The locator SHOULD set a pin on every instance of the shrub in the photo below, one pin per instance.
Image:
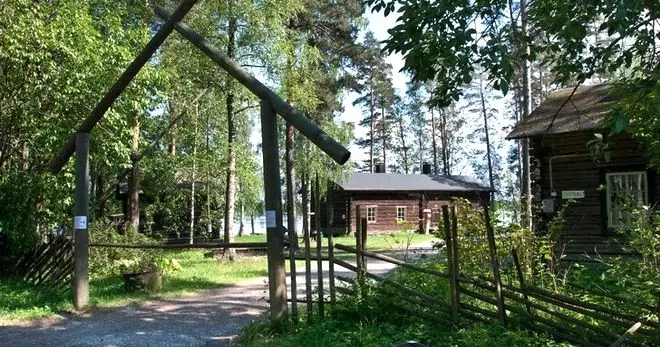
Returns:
(104, 261)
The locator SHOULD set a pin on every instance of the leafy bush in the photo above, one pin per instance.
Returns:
(639, 276)
(104, 261)
(30, 207)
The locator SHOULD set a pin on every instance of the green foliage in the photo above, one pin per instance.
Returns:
(639, 276)
(106, 261)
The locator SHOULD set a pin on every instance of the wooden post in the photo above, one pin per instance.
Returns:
(331, 246)
(364, 243)
(455, 256)
(319, 244)
(273, 202)
(294, 280)
(521, 279)
(308, 247)
(449, 245)
(358, 244)
(80, 231)
(122, 82)
(495, 262)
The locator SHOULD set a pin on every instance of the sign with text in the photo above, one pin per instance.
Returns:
(572, 194)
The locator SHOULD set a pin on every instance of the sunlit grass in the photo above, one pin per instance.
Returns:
(20, 301)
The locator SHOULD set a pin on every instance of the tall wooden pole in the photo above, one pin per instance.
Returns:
(319, 245)
(331, 246)
(80, 231)
(495, 262)
(273, 202)
(449, 245)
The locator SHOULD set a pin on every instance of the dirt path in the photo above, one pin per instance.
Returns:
(209, 318)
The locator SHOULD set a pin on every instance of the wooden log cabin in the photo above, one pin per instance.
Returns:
(571, 162)
(390, 201)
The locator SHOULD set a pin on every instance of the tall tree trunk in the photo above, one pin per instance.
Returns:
(194, 177)
(444, 138)
(100, 192)
(305, 204)
(434, 144)
(133, 217)
(252, 222)
(230, 193)
(404, 149)
(25, 156)
(241, 227)
(486, 131)
(209, 216)
(383, 136)
(527, 99)
(372, 129)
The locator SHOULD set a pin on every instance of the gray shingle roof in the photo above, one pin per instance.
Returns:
(360, 181)
(585, 110)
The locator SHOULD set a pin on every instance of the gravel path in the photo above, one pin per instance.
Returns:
(209, 318)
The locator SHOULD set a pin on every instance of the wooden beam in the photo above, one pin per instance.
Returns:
(495, 262)
(296, 118)
(121, 83)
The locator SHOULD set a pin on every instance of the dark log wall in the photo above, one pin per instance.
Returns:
(574, 168)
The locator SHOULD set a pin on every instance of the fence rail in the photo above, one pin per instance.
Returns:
(487, 299)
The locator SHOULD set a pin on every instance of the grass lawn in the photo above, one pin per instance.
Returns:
(20, 301)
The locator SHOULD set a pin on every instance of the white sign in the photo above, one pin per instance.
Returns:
(572, 194)
(80, 222)
(270, 219)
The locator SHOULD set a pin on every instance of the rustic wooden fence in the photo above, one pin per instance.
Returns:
(49, 265)
(487, 299)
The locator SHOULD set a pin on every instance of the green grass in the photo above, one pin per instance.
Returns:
(20, 301)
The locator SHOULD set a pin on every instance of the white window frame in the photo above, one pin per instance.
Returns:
(611, 223)
(375, 208)
(405, 211)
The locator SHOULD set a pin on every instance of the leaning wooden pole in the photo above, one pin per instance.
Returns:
(121, 83)
(80, 231)
(358, 245)
(449, 246)
(274, 225)
(495, 262)
(331, 248)
(296, 118)
(308, 248)
(319, 245)
(455, 257)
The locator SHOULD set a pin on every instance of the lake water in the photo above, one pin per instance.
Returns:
(260, 225)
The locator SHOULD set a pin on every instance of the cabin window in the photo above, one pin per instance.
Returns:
(400, 213)
(625, 190)
(371, 214)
